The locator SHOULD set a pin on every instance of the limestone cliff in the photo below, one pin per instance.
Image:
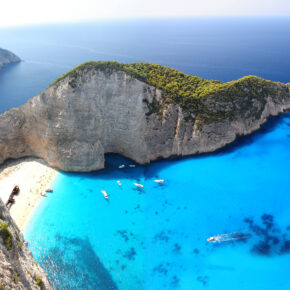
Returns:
(97, 109)
(17, 267)
(7, 57)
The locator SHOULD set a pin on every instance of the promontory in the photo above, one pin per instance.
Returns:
(7, 57)
(141, 111)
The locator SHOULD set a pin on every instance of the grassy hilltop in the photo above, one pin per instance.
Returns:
(193, 93)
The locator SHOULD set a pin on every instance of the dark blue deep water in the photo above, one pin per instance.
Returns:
(155, 238)
(222, 49)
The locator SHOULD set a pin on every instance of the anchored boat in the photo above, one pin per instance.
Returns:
(235, 236)
(106, 196)
(139, 185)
(159, 180)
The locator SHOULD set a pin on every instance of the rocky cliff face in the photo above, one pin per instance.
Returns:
(17, 267)
(7, 57)
(74, 122)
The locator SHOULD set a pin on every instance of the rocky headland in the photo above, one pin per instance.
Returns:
(7, 57)
(142, 111)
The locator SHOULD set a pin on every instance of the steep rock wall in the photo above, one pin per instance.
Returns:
(17, 267)
(74, 122)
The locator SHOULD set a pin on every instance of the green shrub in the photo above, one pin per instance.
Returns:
(39, 282)
(6, 235)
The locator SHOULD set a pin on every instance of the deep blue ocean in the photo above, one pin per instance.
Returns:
(155, 238)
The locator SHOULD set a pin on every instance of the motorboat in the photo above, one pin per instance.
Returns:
(235, 236)
(106, 196)
(159, 180)
(119, 182)
(121, 166)
(139, 185)
(132, 165)
(212, 239)
(49, 190)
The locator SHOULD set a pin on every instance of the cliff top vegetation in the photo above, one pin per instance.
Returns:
(190, 92)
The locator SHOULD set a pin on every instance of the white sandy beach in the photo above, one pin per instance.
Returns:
(33, 177)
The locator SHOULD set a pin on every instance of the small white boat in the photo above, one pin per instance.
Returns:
(122, 166)
(132, 165)
(43, 194)
(212, 239)
(159, 180)
(104, 194)
(119, 182)
(139, 185)
(228, 237)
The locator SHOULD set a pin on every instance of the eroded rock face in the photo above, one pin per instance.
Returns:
(7, 57)
(17, 267)
(72, 124)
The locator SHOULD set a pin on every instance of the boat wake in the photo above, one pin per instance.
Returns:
(235, 236)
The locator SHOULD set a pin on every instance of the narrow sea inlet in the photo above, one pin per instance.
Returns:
(156, 237)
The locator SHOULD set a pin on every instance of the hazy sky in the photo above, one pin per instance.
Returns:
(19, 12)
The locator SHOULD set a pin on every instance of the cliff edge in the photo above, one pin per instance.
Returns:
(7, 57)
(17, 267)
(142, 111)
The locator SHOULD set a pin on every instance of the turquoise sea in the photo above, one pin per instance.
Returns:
(155, 238)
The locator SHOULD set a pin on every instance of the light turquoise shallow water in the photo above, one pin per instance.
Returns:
(156, 238)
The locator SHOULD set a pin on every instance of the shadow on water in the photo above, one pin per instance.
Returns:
(112, 170)
(239, 143)
(244, 141)
(65, 273)
(113, 161)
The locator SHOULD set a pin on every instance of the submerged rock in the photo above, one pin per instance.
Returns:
(272, 240)
(106, 107)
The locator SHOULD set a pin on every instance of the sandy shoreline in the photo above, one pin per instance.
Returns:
(33, 177)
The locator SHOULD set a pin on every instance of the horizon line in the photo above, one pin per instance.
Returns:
(194, 17)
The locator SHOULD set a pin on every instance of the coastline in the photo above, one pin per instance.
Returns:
(33, 176)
